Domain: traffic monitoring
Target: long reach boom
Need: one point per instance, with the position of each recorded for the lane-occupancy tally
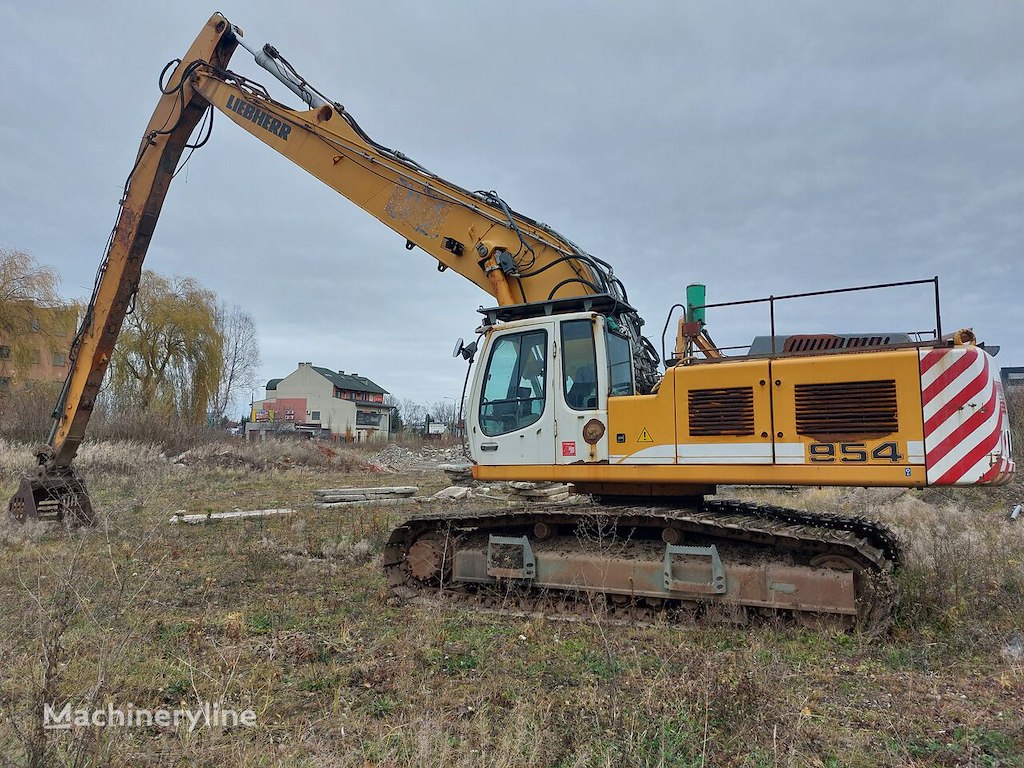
(511, 256)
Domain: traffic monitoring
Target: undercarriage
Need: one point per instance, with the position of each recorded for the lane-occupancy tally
(641, 563)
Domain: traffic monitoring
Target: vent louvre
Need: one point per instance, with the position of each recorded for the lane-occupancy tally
(827, 342)
(727, 411)
(847, 408)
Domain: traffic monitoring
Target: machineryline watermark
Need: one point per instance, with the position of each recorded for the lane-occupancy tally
(206, 715)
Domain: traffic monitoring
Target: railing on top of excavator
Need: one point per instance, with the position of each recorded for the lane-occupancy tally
(696, 310)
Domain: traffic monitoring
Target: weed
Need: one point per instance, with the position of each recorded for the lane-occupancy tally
(264, 622)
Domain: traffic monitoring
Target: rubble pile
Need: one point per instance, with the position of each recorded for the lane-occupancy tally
(459, 474)
(272, 454)
(511, 493)
(401, 459)
(538, 492)
(453, 493)
(452, 461)
(339, 497)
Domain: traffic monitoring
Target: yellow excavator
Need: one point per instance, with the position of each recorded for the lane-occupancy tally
(568, 389)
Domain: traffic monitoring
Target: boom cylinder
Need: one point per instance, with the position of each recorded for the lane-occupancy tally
(267, 57)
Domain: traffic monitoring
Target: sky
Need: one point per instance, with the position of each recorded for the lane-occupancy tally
(759, 148)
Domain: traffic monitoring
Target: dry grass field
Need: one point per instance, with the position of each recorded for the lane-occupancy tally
(290, 616)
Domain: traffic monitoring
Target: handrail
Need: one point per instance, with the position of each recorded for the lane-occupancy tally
(772, 299)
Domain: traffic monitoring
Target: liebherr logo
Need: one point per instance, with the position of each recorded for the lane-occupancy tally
(206, 715)
(254, 114)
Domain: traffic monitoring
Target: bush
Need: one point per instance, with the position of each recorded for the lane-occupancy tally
(26, 414)
(172, 433)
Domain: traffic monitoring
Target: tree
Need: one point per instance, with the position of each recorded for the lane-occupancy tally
(240, 363)
(445, 412)
(32, 316)
(409, 412)
(170, 353)
(395, 422)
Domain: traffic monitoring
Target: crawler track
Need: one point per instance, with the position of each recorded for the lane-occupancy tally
(752, 539)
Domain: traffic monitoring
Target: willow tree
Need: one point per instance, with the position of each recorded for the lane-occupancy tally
(32, 318)
(169, 355)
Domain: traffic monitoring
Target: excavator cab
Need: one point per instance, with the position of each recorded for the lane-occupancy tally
(541, 391)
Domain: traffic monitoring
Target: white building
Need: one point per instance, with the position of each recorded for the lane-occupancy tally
(320, 401)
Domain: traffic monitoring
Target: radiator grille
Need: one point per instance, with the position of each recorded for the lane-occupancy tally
(847, 408)
(721, 411)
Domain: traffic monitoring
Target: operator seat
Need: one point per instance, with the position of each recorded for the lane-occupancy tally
(583, 392)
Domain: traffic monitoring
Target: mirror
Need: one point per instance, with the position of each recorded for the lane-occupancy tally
(466, 350)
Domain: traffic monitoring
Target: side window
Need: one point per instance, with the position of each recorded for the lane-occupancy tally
(515, 384)
(579, 364)
(620, 367)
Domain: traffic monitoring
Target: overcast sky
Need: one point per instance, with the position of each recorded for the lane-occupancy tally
(755, 147)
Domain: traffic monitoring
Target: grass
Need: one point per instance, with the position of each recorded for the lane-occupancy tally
(290, 616)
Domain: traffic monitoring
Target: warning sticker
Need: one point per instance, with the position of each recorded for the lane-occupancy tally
(645, 437)
(569, 449)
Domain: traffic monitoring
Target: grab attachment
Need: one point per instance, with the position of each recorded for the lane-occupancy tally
(54, 494)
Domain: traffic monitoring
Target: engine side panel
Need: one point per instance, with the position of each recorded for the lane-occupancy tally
(849, 413)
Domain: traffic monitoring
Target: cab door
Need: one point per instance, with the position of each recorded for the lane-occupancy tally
(511, 416)
(581, 390)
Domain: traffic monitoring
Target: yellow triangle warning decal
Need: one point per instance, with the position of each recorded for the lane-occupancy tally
(645, 437)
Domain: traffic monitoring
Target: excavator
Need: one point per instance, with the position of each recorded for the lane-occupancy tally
(568, 389)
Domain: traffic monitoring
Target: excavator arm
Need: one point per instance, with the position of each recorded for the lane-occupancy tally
(512, 257)
(53, 490)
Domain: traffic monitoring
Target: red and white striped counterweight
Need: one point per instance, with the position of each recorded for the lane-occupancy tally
(966, 425)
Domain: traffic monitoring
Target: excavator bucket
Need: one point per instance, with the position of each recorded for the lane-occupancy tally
(52, 497)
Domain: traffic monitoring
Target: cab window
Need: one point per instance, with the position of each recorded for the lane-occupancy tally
(579, 364)
(620, 366)
(515, 385)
